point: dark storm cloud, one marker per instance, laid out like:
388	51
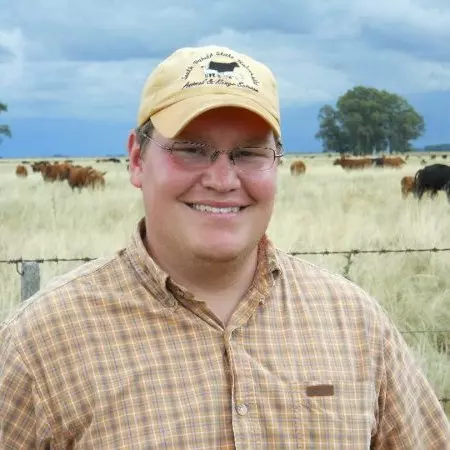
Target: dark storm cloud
88	58
101	31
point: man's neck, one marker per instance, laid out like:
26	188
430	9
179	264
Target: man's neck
220	284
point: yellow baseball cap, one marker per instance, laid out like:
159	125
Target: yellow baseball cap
193	80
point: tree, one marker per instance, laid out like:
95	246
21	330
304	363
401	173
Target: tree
367	120
334	139
4	129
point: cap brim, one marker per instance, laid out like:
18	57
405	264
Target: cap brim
171	120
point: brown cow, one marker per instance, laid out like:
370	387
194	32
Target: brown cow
49	172
298	167
21	171
353	163
39	165
407	184
393	161
63	170
96	179
84	177
78	177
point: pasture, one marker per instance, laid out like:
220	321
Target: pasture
324	208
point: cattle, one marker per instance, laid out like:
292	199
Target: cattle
96	179
78	177
353	163
50	172
393	161
39	165
297	167
21	171
432	179
378	162
407	185
83	177
102	160
63	171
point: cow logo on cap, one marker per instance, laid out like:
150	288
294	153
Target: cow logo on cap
220	69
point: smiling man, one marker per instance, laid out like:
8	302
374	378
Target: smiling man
201	334
206	211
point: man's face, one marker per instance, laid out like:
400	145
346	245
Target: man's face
170	191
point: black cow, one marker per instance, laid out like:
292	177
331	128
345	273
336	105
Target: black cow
432	179
378	162
222	67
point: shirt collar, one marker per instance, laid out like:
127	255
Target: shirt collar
157	281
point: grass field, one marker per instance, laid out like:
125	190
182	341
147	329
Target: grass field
327	208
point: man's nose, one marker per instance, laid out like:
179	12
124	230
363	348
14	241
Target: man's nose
222	174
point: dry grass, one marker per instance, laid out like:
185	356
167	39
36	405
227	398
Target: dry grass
327	208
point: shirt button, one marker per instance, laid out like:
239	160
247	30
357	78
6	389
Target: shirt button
242	409
171	302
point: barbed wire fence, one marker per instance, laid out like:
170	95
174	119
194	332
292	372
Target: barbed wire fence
28	269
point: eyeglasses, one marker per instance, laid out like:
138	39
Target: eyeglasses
200	156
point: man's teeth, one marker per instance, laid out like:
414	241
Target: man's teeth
213	209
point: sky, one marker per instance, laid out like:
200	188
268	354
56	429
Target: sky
71	72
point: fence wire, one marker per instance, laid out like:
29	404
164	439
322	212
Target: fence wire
347	253
345	272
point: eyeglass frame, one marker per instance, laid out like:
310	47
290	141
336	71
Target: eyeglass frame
215	154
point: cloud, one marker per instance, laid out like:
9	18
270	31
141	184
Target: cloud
11	65
6	55
90	59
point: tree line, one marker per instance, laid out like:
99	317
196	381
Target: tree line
366	120
437	148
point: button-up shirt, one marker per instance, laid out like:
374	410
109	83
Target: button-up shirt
116	355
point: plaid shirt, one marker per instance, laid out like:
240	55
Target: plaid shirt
116	356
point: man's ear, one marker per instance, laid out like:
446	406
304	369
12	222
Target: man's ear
135	164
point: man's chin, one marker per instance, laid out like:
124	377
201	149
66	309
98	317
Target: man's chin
217	256
218	252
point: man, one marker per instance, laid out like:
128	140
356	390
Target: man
200	334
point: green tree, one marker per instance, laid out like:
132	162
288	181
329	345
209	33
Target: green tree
367	120
4	129
333	137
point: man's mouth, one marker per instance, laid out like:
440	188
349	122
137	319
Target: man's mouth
215	209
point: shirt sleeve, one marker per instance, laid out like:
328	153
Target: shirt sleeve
410	414
22	422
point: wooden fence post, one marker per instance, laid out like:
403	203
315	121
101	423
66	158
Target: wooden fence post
30	280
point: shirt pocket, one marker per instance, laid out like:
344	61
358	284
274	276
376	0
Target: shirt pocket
338	417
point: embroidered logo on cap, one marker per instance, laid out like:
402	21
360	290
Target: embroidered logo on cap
220	69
